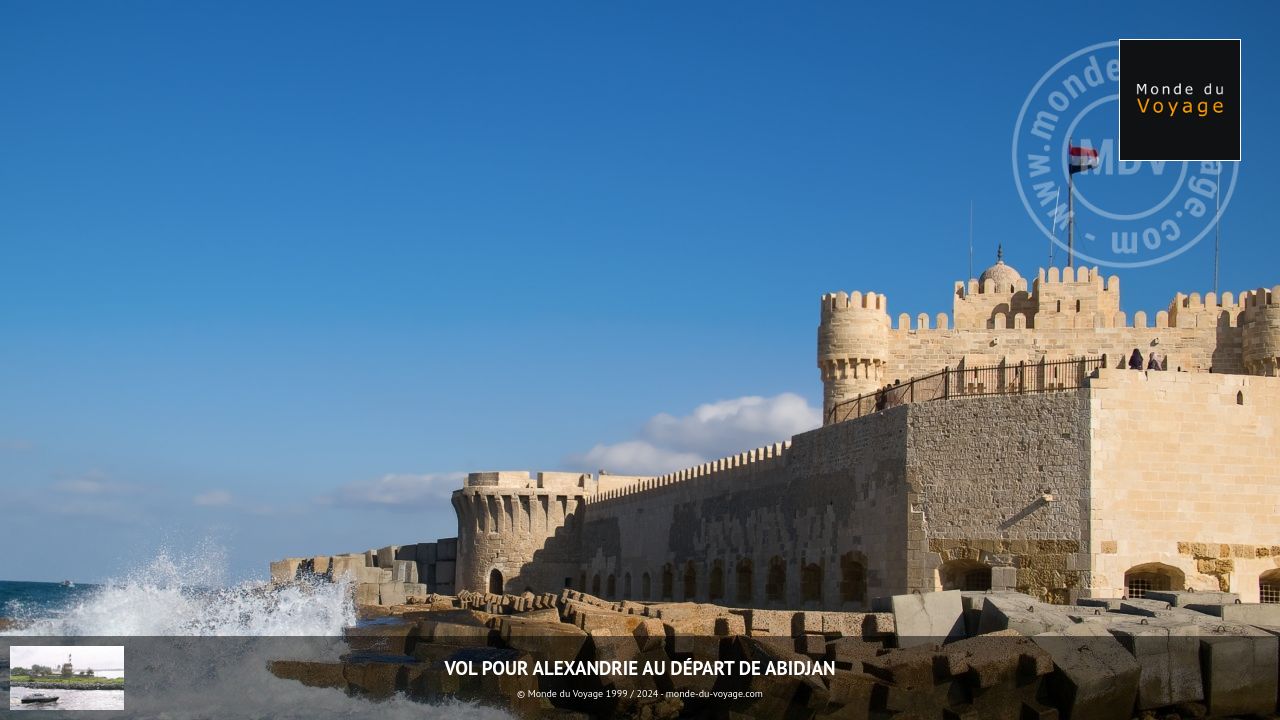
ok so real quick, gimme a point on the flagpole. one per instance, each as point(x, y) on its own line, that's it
point(1217, 230)
point(1071, 210)
point(1057, 214)
point(970, 239)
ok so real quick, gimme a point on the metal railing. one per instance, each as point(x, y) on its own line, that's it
point(1001, 379)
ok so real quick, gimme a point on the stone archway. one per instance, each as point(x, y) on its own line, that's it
point(744, 577)
point(775, 587)
point(495, 581)
point(965, 574)
point(1140, 579)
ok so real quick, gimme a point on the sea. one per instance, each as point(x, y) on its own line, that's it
point(197, 649)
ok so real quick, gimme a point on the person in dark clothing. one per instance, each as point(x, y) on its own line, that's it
point(1135, 360)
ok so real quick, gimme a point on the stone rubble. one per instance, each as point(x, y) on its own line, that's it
point(974, 655)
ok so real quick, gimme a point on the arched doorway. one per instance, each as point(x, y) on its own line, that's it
point(965, 574)
point(1140, 579)
point(495, 581)
point(744, 580)
point(811, 582)
point(690, 581)
point(1269, 586)
point(775, 586)
point(853, 578)
point(645, 586)
point(715, 590)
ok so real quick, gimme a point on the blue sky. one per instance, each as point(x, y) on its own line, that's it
point(274, 273)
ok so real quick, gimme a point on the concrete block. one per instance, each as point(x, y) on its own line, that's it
point(447, 549)
point(544, 641)
point(1004, 578)
point(405, 571)
point(1188, 598)
point(1094, 677)
point(387, 555)
point(407, 552)
point(284, 570)
point(426, 553)
point(1020, 613)
point(348, 567)
point(367, 594)
point(391, 593)
point(1168, 654)
point(770, 622)
point(320, 564)
point(927, 617)
point(444, 572)
point(1240, 669)
point(1249, 613)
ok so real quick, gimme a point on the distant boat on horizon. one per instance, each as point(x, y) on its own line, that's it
point(68, 583)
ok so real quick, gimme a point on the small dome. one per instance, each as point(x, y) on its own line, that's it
point(1003, 275)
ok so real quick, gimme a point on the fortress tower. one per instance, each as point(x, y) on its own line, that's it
point(517, 531)
point(1065, 312)
point(1261, 350)
point(853, 344)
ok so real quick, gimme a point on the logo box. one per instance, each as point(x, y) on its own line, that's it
point(1179, 100)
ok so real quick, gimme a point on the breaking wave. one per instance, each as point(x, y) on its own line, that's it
point(197, 648)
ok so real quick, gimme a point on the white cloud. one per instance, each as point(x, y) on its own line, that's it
point(93, 482)
point(398, 490)
point(213, 498)
point(633, 457)
point(712, 430)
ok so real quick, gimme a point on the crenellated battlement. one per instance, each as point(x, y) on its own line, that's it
point(1063, 312)
point(756, 459)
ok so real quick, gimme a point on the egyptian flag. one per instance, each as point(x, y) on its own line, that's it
point(1082, 159)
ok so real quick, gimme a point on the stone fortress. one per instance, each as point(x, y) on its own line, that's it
point(1120, 482)
point(1029, 458)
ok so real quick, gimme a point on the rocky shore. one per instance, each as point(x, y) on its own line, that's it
point(937, 655)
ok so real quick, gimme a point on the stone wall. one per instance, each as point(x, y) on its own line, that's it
point(1185, 471)
point(821, 524)
point(1000, 481)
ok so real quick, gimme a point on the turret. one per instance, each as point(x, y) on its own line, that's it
point(853, 345)
point(506, 518)
point(1261, 332)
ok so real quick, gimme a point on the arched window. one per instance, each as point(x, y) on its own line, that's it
point(775, 586)
point(1240, 397)
point(644, 586)
point(668, 582)
point(495, 582)
point(595, 585)
point(964, 574)
point(1269, 586)
point(853, 577)
point(611, 587)
point(744, 573)
point(690, 581)
point(626, 585)
point(811, 582)
point(715, 590)
point(1152, 576)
